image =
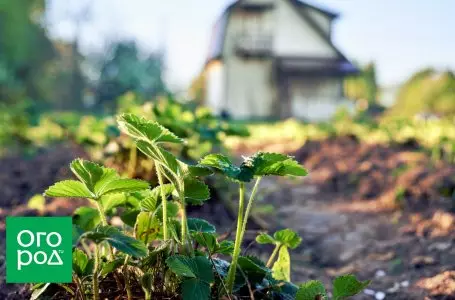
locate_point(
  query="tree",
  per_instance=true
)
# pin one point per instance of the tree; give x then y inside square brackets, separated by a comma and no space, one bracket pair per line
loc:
[130,70]
[362,86]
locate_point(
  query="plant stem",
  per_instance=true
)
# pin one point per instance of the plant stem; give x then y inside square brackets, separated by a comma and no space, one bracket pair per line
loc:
[184,221]
[132,161]
[96,291]
[99,205]
[127,279]
[250,205]
[103,219]
[238,241]
[163,200]
[273,255]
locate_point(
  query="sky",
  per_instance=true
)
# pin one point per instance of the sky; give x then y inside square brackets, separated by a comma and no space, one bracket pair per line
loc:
[401,37]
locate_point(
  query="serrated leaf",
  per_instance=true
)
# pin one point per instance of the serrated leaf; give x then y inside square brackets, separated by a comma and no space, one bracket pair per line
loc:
[200,225]
[254,270]
[80,263]
[86,218]
[264,164]
[112,201]
[282,267]
[129,217]
[147,227]
[149,203]
[172,210]
[347,286]
[181,265]
[117,239]
[311,290]
[193,267]
[223,165]
[110,266]
[288,237]
[194,289]
[207,240]
[159,154]
[68,188]
[141,129]
[123,186]
[195,190]
[225,247]
[198,171]
[264,238]
[89,173]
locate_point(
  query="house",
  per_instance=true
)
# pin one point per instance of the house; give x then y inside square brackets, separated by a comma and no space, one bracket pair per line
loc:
[275,59]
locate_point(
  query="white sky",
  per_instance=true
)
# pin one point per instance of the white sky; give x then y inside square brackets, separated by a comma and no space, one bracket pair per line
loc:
[401,36]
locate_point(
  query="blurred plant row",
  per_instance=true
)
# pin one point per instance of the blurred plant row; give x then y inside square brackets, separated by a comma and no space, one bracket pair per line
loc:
[434,136]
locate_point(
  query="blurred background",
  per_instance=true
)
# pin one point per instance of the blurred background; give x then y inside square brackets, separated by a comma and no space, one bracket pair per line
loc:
[361,92]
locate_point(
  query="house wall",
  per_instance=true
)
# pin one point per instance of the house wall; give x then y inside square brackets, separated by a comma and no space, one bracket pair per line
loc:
[316,99]
[215,81]
[294,36]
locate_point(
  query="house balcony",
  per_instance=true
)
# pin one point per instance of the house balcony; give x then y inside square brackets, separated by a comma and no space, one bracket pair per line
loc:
[254,45]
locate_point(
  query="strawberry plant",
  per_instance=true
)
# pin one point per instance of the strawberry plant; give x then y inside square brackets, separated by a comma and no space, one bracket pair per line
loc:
[157,252]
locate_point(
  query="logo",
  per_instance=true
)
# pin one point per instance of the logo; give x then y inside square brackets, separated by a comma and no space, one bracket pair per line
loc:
[38,249]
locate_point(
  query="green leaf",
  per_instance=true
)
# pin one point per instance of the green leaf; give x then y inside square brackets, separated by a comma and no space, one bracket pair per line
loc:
[159,154]
[86,218]
[311,290]
[198,275]
[129,217]
[198,171]
[253,269]
[195,190]
[347,286]
[172,210]
[207,240]
[288,237]
[149,203]
[147,227]
[89,173]
[194,289]
[95,181]
[39,291]
[117,239]
[192,267]
[123,186]
[181,265]
[112,201]
[223,165]
[282,267]
[37,202]
[264,164]
[225,247]
[68,188]
[200,225]
[141,129]
[81,265]
[110,266]
[264,238]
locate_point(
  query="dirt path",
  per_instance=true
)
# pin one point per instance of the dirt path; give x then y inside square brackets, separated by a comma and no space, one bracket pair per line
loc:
[399,252]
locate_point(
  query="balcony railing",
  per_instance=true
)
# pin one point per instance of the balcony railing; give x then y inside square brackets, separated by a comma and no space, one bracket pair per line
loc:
[256,45]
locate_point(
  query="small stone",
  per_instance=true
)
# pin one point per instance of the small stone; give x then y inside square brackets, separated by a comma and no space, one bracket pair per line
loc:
[394,289]
[379,295]
[404,283]
[369,292]
[379,273]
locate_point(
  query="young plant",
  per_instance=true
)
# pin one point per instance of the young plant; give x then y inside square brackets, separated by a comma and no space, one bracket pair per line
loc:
[254,167]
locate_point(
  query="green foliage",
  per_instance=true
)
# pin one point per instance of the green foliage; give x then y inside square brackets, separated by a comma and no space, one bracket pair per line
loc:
[311,290]
[347,286]
[282,266]
[95,181]
[116,239]
[197,275]
[159,248]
